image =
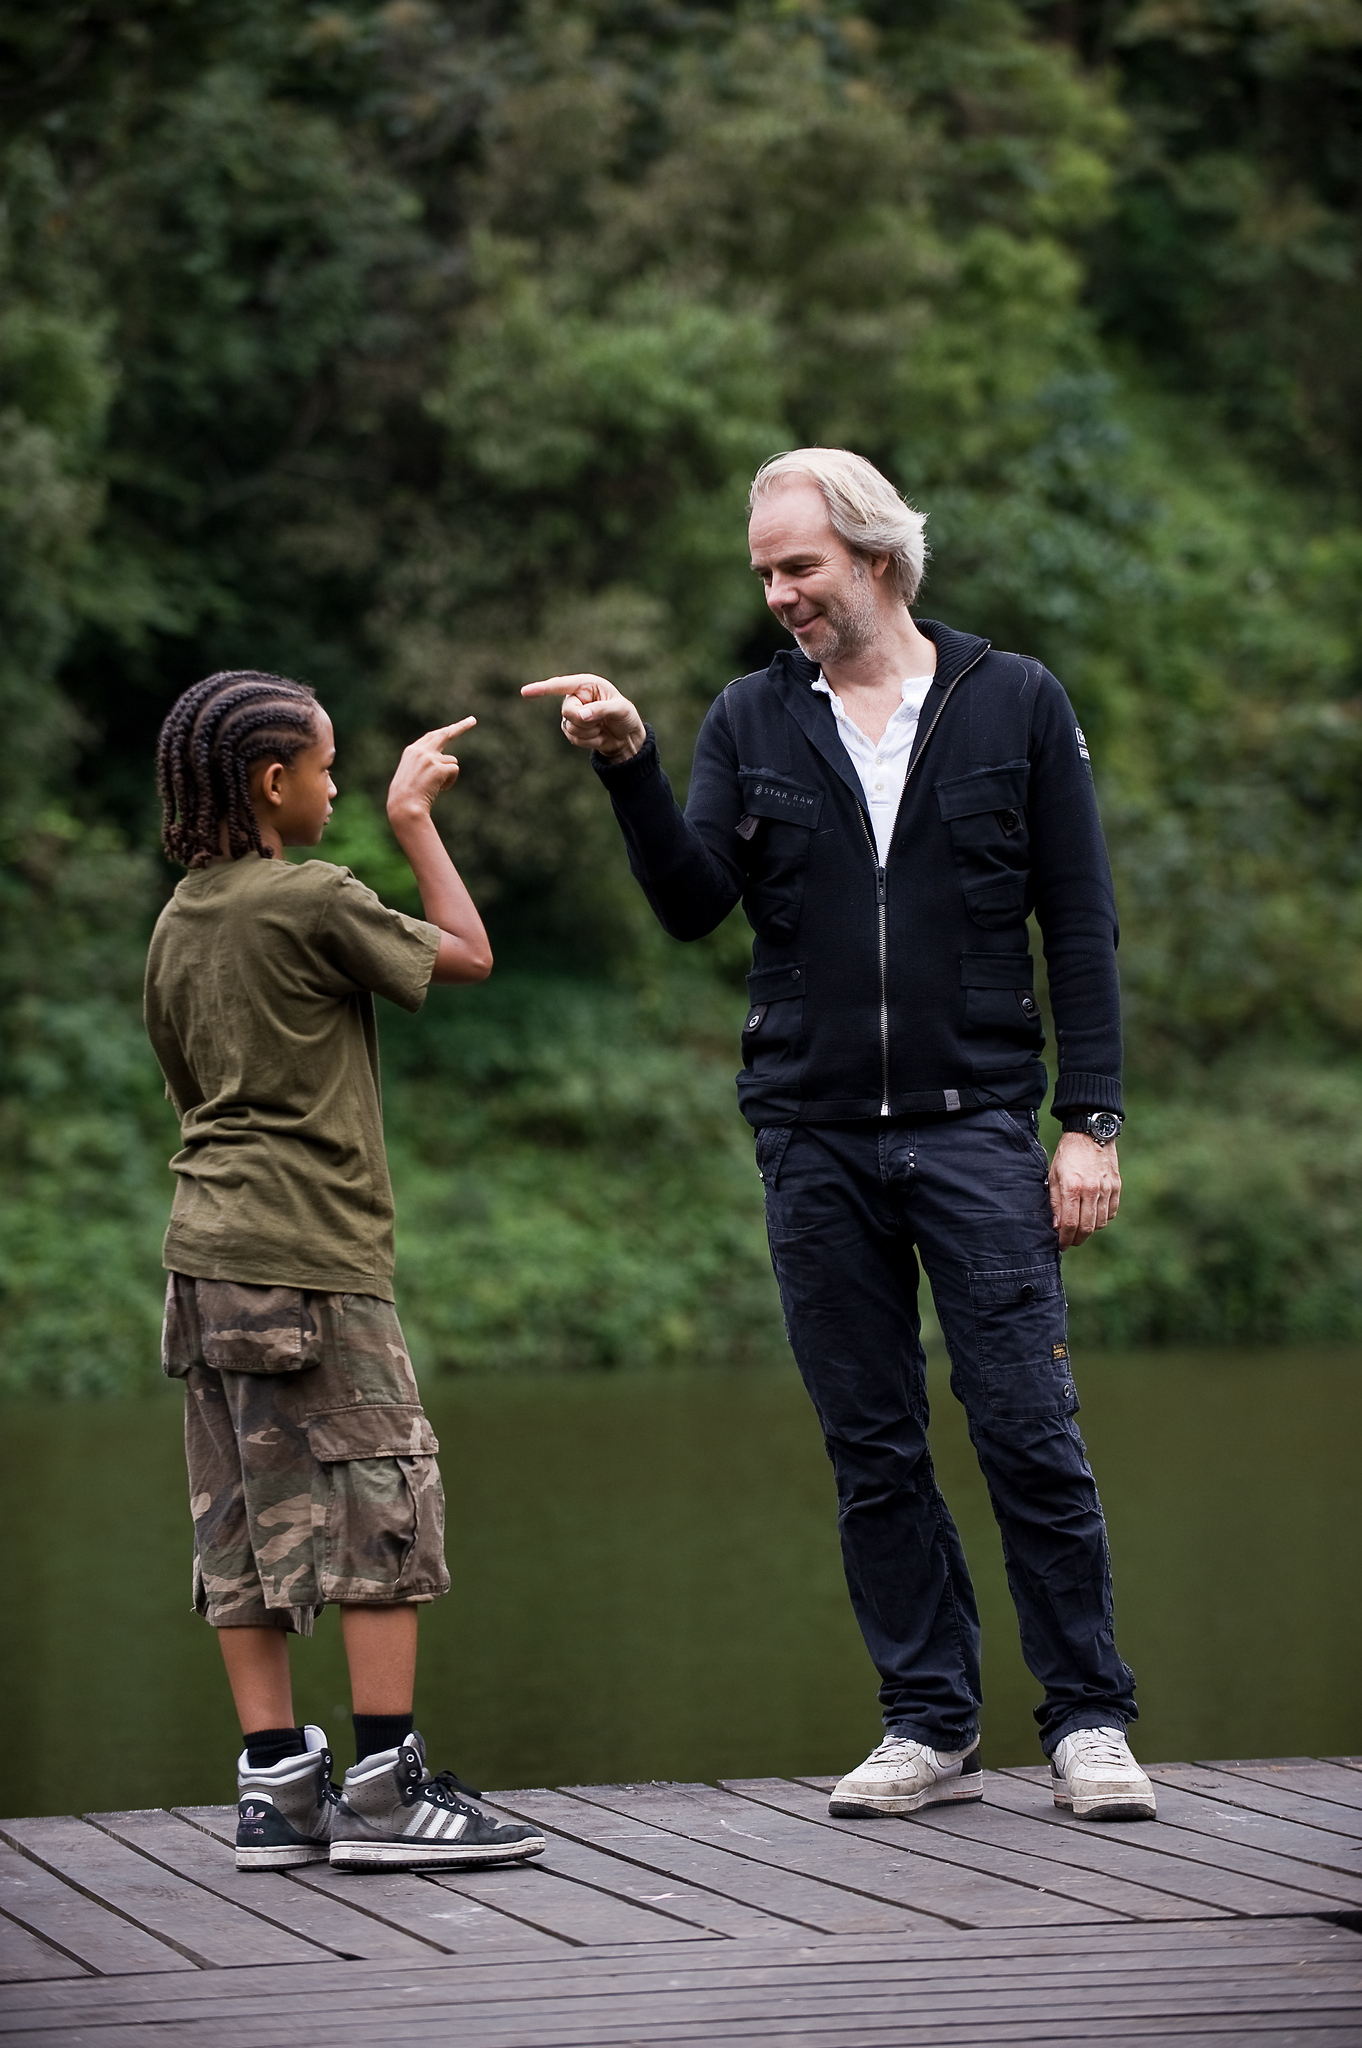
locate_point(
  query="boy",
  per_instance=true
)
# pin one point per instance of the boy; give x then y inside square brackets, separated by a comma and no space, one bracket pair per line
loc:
[311,1464]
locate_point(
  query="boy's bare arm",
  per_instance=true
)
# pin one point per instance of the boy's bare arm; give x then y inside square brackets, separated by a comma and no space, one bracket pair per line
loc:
[424,770]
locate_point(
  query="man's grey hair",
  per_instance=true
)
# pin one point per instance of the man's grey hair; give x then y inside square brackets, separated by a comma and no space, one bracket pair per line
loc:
[865,509]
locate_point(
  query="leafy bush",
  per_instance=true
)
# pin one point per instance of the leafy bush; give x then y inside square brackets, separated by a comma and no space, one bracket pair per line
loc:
[419,349]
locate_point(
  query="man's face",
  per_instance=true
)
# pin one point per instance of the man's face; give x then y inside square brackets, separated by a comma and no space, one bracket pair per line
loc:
[819,590]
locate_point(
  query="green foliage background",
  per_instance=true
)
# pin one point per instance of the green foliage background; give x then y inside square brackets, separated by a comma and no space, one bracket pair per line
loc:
[424,348]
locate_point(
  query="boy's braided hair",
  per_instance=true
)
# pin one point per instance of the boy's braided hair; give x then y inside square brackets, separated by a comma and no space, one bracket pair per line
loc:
[212,737]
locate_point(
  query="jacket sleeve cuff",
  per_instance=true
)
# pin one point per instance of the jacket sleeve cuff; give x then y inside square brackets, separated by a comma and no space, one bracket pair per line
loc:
[624,776]
[1086,1091]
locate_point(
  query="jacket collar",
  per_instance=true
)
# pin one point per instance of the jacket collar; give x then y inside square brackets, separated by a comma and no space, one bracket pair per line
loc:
[792,673]
[955,652]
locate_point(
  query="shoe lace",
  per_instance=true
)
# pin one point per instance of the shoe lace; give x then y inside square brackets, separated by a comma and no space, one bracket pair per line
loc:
[444,1788]
[891,1746]
[1100,1745]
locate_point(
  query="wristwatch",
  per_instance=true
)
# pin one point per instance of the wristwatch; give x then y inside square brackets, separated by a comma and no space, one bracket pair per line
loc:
[1101,1125]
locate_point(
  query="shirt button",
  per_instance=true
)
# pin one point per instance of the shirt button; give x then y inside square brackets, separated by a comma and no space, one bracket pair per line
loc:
[879,785]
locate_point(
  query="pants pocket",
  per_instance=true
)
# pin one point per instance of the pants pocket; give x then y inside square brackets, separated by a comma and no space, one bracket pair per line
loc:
[772,1141]
[257,1329]
[384,1522]
[1021,1325]
[181,1342]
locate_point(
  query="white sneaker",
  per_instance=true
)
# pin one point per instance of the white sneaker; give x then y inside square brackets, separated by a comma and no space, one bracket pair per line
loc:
[902,1775]
[1093,1772]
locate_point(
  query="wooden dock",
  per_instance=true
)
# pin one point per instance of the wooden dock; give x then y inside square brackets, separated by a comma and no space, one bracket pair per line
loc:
[710,1914]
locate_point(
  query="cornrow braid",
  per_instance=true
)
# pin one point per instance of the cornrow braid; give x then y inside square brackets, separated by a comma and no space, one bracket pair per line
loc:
[212,737]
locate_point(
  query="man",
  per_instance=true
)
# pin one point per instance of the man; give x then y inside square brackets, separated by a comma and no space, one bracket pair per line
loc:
[889,802]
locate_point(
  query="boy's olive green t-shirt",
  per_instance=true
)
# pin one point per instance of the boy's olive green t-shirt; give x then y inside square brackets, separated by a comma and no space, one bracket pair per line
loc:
[259,1003]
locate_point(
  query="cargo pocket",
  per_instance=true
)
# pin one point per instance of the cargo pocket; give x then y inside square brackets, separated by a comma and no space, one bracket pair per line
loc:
[1021,1322]
[257,1329]
[1002,1024]
[778,820]
[986,815]
[391,1431]
[382,1505]
[773,1029]
[181,1344]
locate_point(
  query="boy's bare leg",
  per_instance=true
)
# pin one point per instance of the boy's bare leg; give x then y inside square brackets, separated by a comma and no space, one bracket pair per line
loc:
[380,1648]
[258,1673]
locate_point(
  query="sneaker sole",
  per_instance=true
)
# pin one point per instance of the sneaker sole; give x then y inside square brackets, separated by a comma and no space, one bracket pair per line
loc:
[422,1856]
[282,1857]
[1112,1808]
[868,1807]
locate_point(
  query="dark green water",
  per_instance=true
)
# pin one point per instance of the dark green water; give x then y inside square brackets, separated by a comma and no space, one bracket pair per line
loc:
[647,1584]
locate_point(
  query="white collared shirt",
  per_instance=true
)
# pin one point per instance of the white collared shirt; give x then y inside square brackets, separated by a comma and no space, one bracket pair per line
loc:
[883,768]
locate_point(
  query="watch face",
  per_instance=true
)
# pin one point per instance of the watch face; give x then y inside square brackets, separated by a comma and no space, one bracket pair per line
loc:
[1103,1126]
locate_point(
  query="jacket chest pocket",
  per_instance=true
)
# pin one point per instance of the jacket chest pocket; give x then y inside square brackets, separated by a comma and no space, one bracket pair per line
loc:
[985,814]
[774,832]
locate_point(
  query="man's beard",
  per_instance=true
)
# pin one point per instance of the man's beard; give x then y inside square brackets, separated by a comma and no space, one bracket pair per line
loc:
[849,624]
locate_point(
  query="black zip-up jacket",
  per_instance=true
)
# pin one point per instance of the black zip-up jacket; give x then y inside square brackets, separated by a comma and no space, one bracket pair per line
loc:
[906,989]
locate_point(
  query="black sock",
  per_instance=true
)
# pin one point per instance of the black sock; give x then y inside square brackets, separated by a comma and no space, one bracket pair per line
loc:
[375,1732]
[266,1746]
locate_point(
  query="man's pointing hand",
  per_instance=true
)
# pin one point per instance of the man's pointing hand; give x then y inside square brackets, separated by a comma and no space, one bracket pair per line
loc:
[595,715]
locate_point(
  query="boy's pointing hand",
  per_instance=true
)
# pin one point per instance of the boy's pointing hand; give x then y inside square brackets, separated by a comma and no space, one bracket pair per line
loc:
[595,715]
[424,770]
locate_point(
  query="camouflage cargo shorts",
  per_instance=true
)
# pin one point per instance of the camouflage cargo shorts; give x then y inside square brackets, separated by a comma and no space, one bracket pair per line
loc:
[312,1473]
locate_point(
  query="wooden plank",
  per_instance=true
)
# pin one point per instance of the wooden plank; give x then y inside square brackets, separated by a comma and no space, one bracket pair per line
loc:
[208,1931]
[815,2004]
[1316,1777]
[1199,1830]
[1347,1763]
[1233,1789]
[920,1968]
[787,1842]
[1166,1859]
[688,2028]
[99,1940]
[404,1901]
[1150,1888]
[545,1899]
[209,1861]
[979,1838]
[1337,1857]
[24,1959]
[1100,1952]
[611,1851]
[771,1891]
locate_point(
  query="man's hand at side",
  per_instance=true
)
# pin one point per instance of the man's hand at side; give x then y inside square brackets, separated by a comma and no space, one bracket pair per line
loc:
[595,715]
[1085,1188]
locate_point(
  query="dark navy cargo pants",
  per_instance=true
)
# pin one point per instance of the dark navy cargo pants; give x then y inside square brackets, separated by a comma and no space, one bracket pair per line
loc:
[850,1208]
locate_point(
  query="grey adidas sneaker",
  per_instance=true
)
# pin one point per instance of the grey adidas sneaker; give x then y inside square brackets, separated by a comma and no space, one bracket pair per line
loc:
[394,1815]
[283,1813]
[903,1776]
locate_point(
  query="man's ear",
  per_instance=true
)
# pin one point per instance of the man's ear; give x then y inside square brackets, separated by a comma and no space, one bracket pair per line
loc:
[878,565]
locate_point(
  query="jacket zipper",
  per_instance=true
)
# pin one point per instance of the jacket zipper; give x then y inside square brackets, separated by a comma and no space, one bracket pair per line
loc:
[882,890]
[882,912]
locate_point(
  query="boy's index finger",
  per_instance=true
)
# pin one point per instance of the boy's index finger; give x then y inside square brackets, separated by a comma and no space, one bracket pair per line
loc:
[449,732]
